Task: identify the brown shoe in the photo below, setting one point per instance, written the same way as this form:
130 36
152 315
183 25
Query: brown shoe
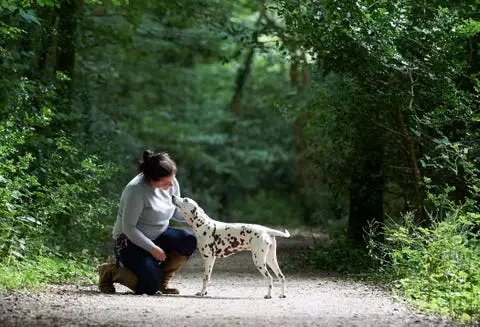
106 272
173 263
125 277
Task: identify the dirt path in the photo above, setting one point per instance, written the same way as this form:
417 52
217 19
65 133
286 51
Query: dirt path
235 298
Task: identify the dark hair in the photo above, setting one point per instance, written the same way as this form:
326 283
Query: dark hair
157 165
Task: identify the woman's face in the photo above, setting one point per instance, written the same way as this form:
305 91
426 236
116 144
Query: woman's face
164 183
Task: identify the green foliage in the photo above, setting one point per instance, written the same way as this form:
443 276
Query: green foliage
436 268
41 270
373 61
47 188
17 188
68 199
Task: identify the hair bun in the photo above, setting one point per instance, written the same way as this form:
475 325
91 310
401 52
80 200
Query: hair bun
147 154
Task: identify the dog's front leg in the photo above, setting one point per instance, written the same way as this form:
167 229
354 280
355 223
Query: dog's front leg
208 263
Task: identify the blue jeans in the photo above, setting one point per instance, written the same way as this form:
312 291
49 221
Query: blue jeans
148 269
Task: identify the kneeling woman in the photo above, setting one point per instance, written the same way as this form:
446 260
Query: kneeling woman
147 250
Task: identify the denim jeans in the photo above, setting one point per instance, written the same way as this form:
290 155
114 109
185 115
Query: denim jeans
148 269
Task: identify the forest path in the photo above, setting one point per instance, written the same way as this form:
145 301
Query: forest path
235 298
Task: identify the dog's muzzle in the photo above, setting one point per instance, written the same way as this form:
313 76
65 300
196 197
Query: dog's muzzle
174 199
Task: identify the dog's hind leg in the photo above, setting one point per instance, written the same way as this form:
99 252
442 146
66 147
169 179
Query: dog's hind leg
273 264
208 263
259 256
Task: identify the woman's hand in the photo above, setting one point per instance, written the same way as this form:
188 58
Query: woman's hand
158 253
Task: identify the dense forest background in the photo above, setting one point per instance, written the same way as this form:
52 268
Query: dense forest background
357 117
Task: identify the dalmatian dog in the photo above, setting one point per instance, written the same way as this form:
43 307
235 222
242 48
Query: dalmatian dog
217 239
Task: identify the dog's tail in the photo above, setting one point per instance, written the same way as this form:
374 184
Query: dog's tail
275 232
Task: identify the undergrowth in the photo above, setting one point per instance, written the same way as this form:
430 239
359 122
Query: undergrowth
37 272
435 268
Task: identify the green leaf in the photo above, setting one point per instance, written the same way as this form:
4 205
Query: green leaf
29 16
444 140
414 131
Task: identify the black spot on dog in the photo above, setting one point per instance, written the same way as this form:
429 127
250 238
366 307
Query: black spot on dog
211 247
234 242
216 237
204 233
228 251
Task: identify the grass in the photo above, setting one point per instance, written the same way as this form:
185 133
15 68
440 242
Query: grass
38 272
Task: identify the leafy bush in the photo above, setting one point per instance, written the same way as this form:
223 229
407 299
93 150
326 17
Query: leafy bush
16 187
71 198
436 267
51 201
67 199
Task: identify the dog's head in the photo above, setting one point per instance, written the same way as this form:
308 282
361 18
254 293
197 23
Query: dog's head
188 207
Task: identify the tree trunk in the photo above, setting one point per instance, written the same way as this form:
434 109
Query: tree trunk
294 72
241 80
305 71
48 18
366 195
418 193
244 70
66 38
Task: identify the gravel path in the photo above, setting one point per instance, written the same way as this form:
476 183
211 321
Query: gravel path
235 298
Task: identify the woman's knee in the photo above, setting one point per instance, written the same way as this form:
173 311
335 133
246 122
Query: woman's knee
187 243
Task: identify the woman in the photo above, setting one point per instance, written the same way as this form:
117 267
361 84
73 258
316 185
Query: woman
148 251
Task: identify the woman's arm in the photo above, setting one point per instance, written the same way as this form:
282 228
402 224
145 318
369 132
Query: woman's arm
132 208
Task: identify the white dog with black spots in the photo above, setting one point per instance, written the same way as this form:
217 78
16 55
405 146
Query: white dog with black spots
217 239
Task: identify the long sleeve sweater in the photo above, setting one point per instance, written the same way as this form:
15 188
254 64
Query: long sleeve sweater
145 212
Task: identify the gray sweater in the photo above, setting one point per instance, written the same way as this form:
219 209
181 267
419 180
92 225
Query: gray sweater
145 212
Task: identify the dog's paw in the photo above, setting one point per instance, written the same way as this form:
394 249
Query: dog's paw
201 294
268 297
282 296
